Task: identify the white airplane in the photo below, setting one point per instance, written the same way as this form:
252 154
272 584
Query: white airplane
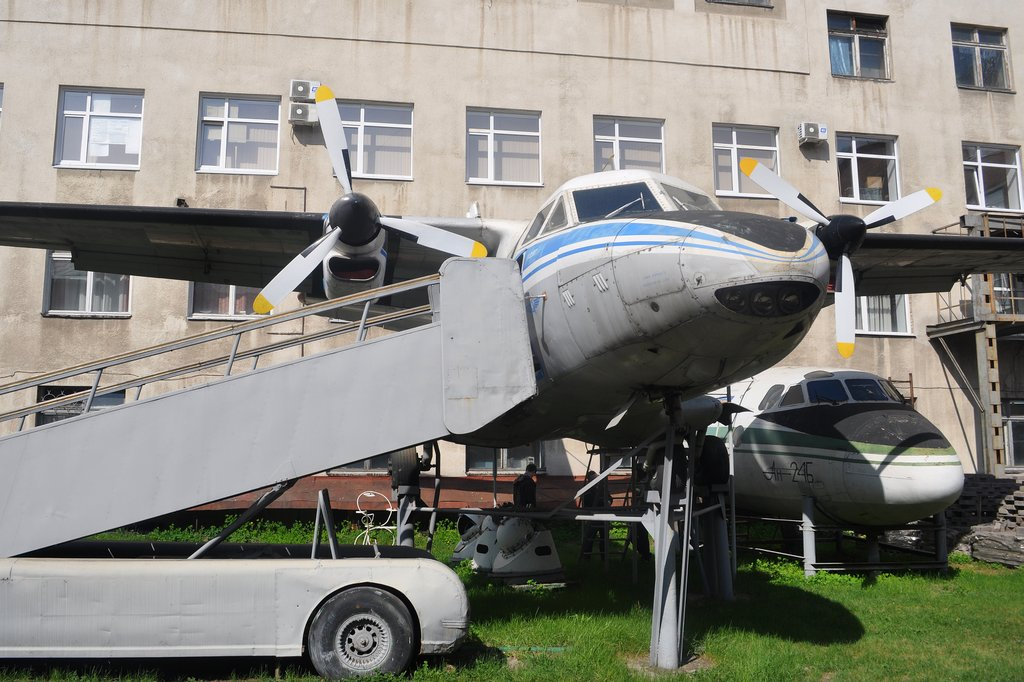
847 439
637 284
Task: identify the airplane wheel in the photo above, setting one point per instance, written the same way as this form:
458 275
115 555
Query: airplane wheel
361 631
713 466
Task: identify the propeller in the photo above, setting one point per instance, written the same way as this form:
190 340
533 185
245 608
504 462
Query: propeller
353 218
841 235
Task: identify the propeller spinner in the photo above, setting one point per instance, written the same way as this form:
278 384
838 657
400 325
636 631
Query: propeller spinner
353 218
841 235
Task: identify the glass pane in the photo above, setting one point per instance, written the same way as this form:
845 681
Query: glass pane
213 106
990 37
478 120
476 157
125 104
844 144
251 146
244 298
517 458
721 134
516 158
558 218
114 140
517 122
593 204
993 70
840 21
963 65
642 155
877 179
1000 187
755 137
723 170
71 139
826 390
866 23
387 151
391 115
971 185
1000 155
846 182
766 157
350 112
866 389
840 52
877 147
478 457
885 313
109 293
1017 434
75 101
211 299
643 129
253 108
872 58
604 127
963 33
603 152
67 287
209 145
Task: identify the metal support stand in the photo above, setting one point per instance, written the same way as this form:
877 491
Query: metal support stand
807 527
254 509
325 514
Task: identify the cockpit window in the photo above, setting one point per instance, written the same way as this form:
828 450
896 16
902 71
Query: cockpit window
866 390
538 222
608 202
794 396
826 391
893 392
689 201
771 397
558 219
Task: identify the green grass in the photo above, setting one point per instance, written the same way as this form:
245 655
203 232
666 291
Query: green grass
967 625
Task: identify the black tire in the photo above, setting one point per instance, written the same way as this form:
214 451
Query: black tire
361 631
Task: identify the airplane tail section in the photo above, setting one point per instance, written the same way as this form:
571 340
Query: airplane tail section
262 423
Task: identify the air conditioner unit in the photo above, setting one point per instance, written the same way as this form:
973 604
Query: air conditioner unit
811 133
303 91
302 114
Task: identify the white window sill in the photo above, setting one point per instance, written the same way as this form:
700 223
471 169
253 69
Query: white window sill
741 195
87 315
213 317
864 202
357 472
501 472
501 183
94 166
397 178
981 88
234 171
900 335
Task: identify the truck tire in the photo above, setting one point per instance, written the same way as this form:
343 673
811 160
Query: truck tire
361 631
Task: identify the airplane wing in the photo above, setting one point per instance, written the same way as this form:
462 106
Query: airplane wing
226 246
919 263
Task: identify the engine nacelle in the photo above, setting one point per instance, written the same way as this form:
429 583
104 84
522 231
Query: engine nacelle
351 269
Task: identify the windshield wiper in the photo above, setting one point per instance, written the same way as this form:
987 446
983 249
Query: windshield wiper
622 208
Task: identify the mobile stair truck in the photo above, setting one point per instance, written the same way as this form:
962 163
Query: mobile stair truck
259 424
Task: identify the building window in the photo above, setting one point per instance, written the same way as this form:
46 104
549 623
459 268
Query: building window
57 413
238 135
78 292
883 314
221 300
856 45
992 177
99 129
621 143
1 99
375 465
380 139
752 3
1013 430
867 168
733 143
980 59
503 147
509 459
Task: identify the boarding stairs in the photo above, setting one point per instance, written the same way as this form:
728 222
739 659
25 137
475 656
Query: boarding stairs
259 413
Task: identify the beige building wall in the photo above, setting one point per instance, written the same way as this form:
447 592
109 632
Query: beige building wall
689 63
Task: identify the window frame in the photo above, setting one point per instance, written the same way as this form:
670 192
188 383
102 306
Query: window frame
978 165
225 121
356 145
504 469
490 133
855 156
976 47
734 158
900 300
88 116
857 34
232 294
616 138
51 256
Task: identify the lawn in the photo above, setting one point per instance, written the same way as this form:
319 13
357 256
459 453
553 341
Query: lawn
965 625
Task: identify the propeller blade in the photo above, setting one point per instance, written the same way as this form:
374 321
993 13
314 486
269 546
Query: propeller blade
436 238
781 190
846 302
293 273
334 135
622 412
901 208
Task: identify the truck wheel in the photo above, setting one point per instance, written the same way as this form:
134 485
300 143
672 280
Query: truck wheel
361 631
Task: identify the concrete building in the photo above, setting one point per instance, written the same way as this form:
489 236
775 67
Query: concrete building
496 103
